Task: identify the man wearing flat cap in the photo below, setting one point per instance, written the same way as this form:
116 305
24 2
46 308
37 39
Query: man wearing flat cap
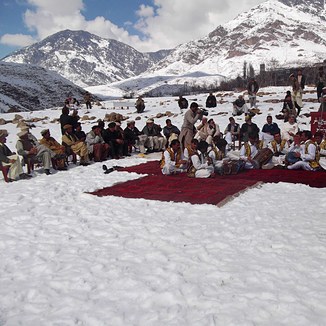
79 147
34 151
8 158
58 149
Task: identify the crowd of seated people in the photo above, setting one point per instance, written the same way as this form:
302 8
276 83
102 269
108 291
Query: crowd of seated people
209 151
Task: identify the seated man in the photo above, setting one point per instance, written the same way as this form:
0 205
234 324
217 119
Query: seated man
170 131
321 148
308 155
79 133
217 153
52 144
207 130
201 165
172 161
232 132
249 150
294 148
290 128
183 103
155 141
97 145
280 148
190 149
114 138
248 128
239 106
140 105
134 137
211 101
79 147
269 130
32 150
10 159
288 107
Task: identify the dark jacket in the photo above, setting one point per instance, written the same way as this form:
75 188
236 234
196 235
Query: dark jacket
211 101
183 103
154 131
131 135
239 102
271 129
247 128
167 131
253 87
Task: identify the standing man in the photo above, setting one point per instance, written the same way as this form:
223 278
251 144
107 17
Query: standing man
252 88
88 100
320 81
188 126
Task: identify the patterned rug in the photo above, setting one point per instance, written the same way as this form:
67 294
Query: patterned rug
216 190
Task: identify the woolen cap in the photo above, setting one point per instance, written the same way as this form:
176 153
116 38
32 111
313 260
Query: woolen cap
150 121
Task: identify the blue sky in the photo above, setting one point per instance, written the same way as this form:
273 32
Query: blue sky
147 25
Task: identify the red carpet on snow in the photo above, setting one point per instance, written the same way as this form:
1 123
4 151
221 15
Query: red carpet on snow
180 188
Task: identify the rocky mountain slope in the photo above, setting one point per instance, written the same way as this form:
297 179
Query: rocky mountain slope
87 59
30 88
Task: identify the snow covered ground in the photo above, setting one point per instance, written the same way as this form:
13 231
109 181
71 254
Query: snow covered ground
70 258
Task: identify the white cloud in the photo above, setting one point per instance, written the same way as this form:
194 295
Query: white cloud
165 24
16 40
179 21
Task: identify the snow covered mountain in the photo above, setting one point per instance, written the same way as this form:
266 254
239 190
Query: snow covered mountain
30 88
286 33
86 59
277 33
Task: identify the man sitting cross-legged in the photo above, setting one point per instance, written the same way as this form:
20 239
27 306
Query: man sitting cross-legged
201 165
79 147
10 159
52 144
217 153
308 155
280 148
190 149
172 161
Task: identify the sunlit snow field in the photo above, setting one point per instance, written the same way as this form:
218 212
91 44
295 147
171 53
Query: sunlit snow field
71 258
